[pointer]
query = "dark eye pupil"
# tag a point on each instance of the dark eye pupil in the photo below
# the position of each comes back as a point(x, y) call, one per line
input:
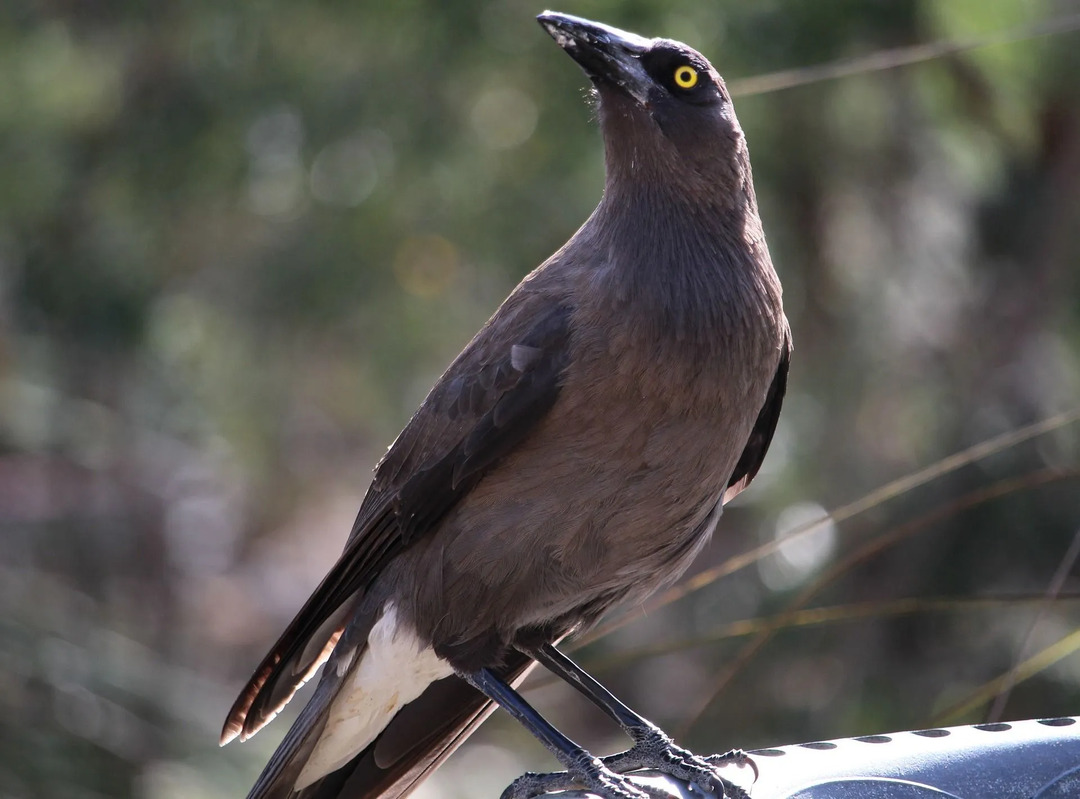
point(685, 76)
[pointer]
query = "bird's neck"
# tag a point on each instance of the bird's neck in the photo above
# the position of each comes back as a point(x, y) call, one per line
point(688, 264)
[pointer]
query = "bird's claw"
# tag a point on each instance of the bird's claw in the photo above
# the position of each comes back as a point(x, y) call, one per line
point(702, 771)
point(601, 781)
point(733, 757)
point(658, 752)
point(607, 777)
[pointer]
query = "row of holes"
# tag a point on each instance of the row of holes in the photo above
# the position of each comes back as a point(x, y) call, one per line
point(935, 733)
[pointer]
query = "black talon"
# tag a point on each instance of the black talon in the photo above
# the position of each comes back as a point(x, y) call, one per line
point(736, 757)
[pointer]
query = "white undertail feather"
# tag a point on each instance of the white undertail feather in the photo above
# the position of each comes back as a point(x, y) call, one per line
point(393, 670)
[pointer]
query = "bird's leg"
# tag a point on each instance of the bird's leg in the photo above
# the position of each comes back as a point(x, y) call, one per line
point(653, 748)
point(583, 770)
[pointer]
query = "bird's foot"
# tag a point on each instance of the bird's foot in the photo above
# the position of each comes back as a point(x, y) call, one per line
point(654, 750)
point(593, 777)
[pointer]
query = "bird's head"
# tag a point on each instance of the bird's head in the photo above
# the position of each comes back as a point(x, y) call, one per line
point(664, 110)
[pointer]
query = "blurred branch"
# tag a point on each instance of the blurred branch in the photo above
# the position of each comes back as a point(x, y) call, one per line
point(813, 617)
point(1059, 650)
point(867, 551)
point(1057, 582)
point(867, 502)
point(896, 57)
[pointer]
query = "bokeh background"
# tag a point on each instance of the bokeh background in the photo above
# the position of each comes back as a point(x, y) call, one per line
point(239, 241)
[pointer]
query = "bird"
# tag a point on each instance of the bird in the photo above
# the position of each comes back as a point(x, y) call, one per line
point(575, 456)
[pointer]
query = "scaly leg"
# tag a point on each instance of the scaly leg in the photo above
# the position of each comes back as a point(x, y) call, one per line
point(583, 770)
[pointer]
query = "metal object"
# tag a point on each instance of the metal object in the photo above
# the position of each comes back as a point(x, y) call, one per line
point(1037, 759)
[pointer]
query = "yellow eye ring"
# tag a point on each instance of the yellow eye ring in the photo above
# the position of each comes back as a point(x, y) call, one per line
point(686, 77)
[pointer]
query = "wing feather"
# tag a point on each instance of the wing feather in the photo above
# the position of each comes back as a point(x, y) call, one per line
point(487, 403)
point(762, 433)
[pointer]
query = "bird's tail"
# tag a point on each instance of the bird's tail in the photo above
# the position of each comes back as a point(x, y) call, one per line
point(416, 741)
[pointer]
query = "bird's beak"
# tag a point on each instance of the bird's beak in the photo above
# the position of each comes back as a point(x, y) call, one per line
point(607, 54)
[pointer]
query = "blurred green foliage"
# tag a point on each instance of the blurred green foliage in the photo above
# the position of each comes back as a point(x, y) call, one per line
point(238, 242)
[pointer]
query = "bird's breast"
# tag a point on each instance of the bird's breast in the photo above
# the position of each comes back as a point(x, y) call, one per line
point(715, 365)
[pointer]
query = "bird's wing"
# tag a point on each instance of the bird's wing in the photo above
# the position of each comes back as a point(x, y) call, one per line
point(486, 403)
point(762, 433)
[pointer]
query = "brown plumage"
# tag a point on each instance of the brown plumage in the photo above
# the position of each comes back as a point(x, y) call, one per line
point(575, 455)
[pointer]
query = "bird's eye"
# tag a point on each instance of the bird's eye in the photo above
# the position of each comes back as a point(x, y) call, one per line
point(686, 77)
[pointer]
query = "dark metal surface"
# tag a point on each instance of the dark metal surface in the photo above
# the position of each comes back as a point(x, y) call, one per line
point(1037, 759)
